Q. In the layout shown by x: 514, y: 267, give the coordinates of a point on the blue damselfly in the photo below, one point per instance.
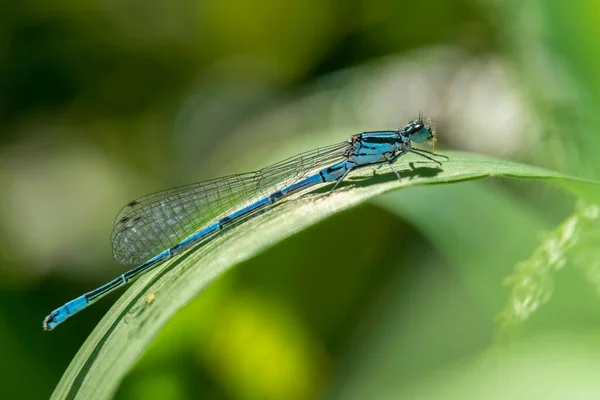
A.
x: 156, y: 227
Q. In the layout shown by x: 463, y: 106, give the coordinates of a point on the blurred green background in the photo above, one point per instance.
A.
x: 104, y: 101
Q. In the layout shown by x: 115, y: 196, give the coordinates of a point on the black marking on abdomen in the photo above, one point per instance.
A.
x: 178, y: 246
x: 322, y: 176
x: 333, y: 168
x: 223, y: 221
x: 115, y: 283
x: 275, y: 196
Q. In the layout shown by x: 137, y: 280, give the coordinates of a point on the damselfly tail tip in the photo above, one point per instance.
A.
x: 55, y: 318
x: 49, y: 323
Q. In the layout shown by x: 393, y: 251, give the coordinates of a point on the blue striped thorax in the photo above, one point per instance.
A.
x: 374, y: 147
x: 381, y: 146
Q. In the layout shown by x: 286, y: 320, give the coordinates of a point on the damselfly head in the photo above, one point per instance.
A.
x: 421, y: 130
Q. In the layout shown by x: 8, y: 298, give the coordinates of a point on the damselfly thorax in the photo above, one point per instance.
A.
x: 376, y: 147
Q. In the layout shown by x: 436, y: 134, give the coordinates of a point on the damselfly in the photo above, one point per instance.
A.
x: 158, y: 226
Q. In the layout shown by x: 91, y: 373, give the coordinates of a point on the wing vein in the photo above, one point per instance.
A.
x: 152, y: 223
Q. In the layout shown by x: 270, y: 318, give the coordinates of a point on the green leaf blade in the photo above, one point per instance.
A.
x: 135, y: 319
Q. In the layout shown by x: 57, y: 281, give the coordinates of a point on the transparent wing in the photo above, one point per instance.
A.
x: 153, y: 223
